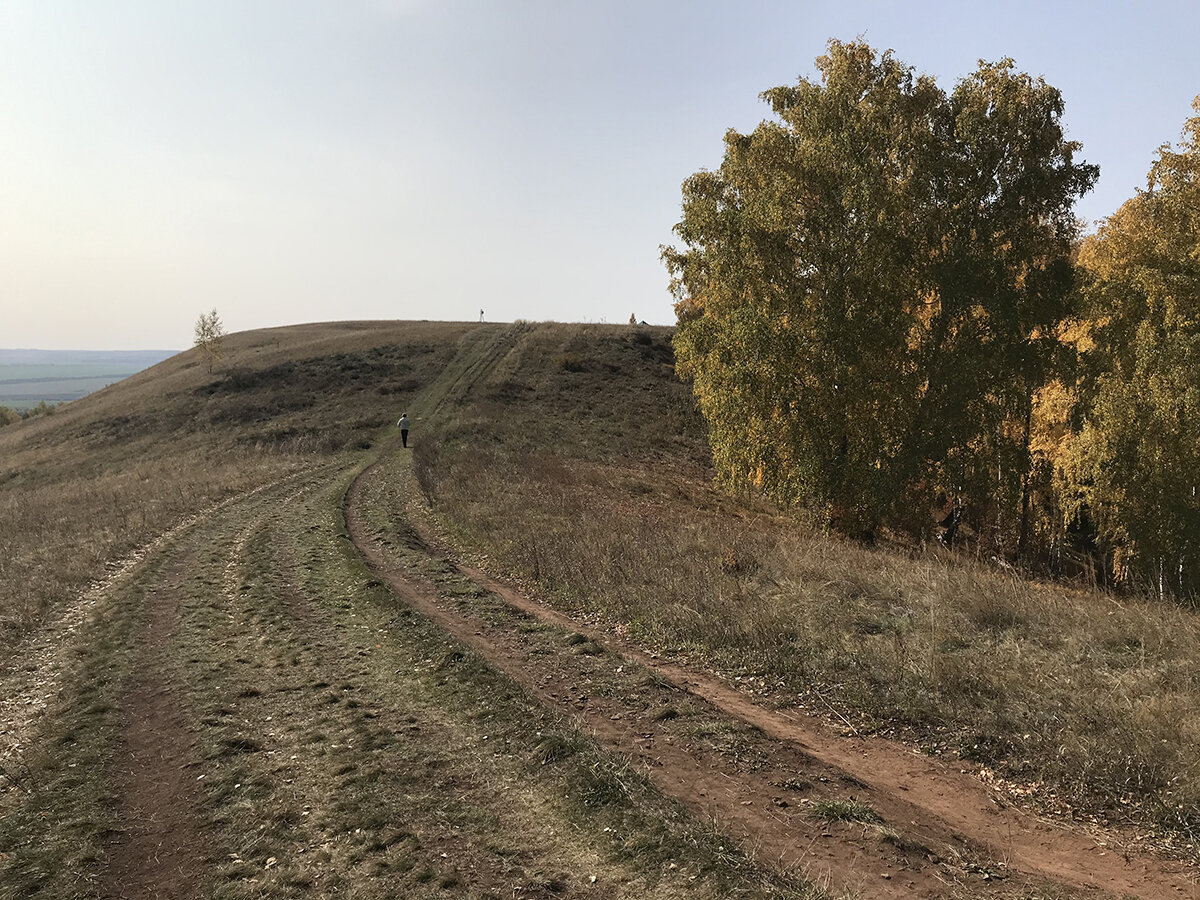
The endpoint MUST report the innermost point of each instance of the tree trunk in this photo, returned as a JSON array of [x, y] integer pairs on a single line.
[[1023, 534]]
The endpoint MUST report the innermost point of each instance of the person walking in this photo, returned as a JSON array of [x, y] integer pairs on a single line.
[[403, 426]]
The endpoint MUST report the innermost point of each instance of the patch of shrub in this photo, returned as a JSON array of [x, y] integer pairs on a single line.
[[570, 362]]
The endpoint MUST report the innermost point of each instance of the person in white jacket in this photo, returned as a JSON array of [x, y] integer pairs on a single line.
[[403, 426]]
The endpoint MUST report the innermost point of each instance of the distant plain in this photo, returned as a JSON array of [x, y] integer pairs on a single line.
[[30, 377]]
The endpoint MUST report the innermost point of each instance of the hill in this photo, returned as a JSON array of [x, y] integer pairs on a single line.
[[537, 656]]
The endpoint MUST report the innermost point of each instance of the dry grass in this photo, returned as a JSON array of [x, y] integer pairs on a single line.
[[575, 461], [319, 770], [843, 811], [104, 475], [1062, 694], [58, 536]]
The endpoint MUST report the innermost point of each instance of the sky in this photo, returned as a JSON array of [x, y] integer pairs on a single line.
[[287, 161]]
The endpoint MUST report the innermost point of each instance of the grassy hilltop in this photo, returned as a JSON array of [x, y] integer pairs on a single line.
[[568, 460], [104, 475]]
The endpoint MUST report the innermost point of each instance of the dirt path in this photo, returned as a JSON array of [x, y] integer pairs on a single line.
[[36, 672], [268, 717], [478, 354], [906, 785], [158, 849], [948, 829], [249, 714]]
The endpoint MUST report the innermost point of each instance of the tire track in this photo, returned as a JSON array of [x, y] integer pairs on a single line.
[[160, 847], [740, 801], [942, 805], [906, 785], [39, 680], [337, 774], [475, 363]]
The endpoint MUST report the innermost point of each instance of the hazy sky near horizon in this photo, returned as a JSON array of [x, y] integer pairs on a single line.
[[292, 161]]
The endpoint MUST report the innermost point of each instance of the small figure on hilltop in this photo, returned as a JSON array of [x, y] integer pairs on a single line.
[[481, 315], [403, 426]]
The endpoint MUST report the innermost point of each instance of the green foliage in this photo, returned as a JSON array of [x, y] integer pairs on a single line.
[[1134, 463], [869, 285], [42, 409]]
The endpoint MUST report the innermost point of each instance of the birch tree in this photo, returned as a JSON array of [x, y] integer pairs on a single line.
[[869, 284]]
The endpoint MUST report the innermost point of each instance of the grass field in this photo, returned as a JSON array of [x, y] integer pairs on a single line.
[[196, 515], [1085, 703]]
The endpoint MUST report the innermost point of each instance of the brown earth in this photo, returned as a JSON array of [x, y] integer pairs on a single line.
[[157, 850], [954, 831]]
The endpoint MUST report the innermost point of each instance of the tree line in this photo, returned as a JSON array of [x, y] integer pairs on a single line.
[[892, 319], [9, 416]]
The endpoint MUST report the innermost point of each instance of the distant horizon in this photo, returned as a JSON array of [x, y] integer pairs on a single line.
[[32, 376], [167, 350], [15, 351], [91, 350]]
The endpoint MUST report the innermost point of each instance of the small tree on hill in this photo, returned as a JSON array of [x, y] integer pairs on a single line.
[[210, 337]]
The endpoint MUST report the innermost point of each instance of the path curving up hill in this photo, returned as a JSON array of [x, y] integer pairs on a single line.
[[301, 691], [954, 826]]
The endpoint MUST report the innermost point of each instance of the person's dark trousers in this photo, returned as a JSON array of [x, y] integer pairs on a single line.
[[404, 436]]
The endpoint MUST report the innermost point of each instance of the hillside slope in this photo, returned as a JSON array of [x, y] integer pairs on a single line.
[[1079, 701], [535, 656]]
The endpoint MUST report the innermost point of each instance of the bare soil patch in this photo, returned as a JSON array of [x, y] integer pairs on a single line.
[[158, 846]]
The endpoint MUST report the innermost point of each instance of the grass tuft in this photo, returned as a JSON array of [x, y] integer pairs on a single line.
[[844, 811], [555, 747]]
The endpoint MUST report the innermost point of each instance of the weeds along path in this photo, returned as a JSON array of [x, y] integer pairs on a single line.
[[250, 713], [865, 816]]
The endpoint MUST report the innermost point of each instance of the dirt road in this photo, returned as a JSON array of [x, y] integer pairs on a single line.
[[761, 772], [249, 712], [300, 693]]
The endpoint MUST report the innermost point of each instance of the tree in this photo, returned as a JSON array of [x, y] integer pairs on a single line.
[[869, 285], [1134, 466], [210, 338]]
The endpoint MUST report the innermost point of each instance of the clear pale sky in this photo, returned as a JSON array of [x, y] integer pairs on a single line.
[[292, 161]]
